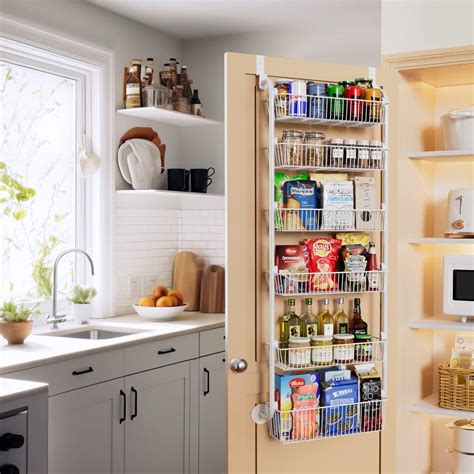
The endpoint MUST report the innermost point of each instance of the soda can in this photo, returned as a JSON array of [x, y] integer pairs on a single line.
[[297, 103]]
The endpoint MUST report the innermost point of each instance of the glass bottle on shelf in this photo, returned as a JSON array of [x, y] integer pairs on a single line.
[[294, 322], [340, 318], [372, 278], [309, 323], [325, 320], [357, 324], [196, 106], [133, 86], [148, 77]]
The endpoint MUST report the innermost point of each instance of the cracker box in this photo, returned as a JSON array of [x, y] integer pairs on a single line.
[[296, 393], [342, 413], [338, 205], [365, 201], [301, 195]]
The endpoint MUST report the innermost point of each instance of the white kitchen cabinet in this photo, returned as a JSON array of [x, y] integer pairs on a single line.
[[86, 432], [212, 437], [158, 419]]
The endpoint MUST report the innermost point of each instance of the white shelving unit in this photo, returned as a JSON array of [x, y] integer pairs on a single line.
[[440, 240], [442, 324], [361, 417], [442, 156], [430, 405], [170, 117]]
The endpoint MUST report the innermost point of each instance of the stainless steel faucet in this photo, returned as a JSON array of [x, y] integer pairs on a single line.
[[54, 318]]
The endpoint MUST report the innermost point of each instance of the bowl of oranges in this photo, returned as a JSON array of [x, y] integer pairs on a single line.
[[163, 303]]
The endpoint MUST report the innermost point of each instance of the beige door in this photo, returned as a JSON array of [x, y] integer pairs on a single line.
[[250, 449]]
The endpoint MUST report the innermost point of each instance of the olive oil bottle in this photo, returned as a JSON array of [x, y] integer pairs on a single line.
[[340, 318], [325, 320], [309, 323]]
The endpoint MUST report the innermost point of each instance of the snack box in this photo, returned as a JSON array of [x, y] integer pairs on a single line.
[[301, 195], [291, 259], [338, 205], [365, 199], [319, 177], [342, 397], [297, 391], [370, 389]]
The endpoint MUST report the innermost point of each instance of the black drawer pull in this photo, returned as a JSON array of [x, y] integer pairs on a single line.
[[208, 382], [81, 372], [124, 401], [134, 415], [168, 351]]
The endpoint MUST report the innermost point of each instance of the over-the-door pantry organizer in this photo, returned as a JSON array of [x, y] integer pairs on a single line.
[[285, 225]]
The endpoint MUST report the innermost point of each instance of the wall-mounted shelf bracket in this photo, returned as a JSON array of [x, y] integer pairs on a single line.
[[262, 77]]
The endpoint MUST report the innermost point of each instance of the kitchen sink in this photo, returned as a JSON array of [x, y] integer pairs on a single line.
[[94, 334]]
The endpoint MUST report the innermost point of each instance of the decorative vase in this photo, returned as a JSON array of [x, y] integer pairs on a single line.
[[15, 332], [81, 312]]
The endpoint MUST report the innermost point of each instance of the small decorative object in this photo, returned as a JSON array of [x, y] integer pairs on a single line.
[[16, 323], [81, 303]]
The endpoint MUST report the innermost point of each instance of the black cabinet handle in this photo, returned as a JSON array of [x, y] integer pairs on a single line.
[[11, 441], [134, 414], [9, 469], [208, 382], [124, 400], [168, 351], [81, 372]]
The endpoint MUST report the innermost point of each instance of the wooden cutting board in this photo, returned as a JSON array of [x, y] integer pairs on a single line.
[[187, 273], [213, 290]]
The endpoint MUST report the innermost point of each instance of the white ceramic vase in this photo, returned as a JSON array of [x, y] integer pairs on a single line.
[[81, 312]]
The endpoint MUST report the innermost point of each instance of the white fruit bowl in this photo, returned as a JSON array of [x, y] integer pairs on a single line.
[[160, 313]]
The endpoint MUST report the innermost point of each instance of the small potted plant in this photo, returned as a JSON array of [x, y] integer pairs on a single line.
[[81, 302], [16, 323]]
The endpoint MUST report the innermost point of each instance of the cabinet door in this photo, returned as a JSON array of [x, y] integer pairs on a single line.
[[212, 415], [157, 428], [85, 433]]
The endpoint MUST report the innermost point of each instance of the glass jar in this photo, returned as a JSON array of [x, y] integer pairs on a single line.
[[335, 93], [355, 104], [293, 139], [376, 154], [336, 151], [314, 151], [363, 348], [155, 95], [321, 350], [374, 107], [316, 100], [363, 153], [343, 348], [350, 152], [299, 352]]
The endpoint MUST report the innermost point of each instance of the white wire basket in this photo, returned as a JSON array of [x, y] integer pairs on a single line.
[[329, 157], [310, 424], [324, 283], [324, 110], [325, 220], [317, 357]]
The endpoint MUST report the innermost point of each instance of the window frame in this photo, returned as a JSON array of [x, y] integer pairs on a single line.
[[91, 69]]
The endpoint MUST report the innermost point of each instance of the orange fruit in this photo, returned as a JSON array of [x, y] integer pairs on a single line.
[[173, 299], [164, 301], [147, 301], [160, 291], [177, 294]]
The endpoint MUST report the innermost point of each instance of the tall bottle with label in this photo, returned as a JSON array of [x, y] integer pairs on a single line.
[[148, 76], [373, 278], [340, 318], [357, 324], [294, 323], [325, 320], [309, 323], [196, 106], [133, 86]]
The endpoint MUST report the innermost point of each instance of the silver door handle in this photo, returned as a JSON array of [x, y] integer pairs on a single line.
[[238, 365]]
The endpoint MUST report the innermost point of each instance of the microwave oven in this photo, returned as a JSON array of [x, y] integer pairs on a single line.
[[458, 294]]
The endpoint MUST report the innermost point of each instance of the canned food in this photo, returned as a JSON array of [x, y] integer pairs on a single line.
[[297, 101]]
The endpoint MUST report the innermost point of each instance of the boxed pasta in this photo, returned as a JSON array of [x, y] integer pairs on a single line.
[[365, 200], [338, 205]]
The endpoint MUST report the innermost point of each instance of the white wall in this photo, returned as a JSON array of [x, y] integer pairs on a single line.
[[415, 25]]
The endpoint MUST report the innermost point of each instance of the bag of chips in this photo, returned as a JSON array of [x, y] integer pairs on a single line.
[[323, 255]]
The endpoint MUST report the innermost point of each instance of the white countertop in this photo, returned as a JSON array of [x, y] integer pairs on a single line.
[[11, 389], [42, 348]]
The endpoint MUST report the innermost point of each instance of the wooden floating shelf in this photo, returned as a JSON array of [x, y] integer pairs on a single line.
[[170, 117], [443, 156], [440, 240], [443, 324], [430, 405]]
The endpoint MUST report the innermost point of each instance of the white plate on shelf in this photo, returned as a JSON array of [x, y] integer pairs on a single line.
[[159, 313]]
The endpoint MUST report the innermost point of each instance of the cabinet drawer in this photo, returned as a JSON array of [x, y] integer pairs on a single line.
[[159, 353], [76, 373], [211, 341]]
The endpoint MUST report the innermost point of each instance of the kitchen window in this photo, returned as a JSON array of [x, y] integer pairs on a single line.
[[51, 106]]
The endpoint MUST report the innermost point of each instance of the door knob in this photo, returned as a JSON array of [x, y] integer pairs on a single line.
[[238, 365]]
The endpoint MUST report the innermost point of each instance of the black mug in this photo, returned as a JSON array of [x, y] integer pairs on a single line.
[[201, 179], [178, 179]]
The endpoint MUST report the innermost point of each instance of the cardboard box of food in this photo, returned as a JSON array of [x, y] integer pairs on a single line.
[[365, 199]]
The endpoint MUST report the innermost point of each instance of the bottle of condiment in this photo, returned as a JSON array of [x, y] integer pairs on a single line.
[[133, 86], [173, 71], [148, 77], [309, 323], [341, 320], [196, 106], [284, 328], [165, 75], [294, 322], [325, 320], [373, 278], [357, 324]]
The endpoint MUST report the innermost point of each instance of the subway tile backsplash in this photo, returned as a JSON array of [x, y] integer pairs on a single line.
[[146, 241]]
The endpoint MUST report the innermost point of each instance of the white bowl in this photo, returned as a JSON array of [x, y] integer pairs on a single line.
[[160, 313]]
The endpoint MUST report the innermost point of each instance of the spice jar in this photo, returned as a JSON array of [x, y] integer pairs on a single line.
[[343, 348], [335, 105], [363, 82], [376, 154], [316, 100], [336, 151], [351, 153], [300, 352], [293, 139], [314, 151], [374, 107], [354, 105], [363, 348], [321, 350], [363, 153]]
